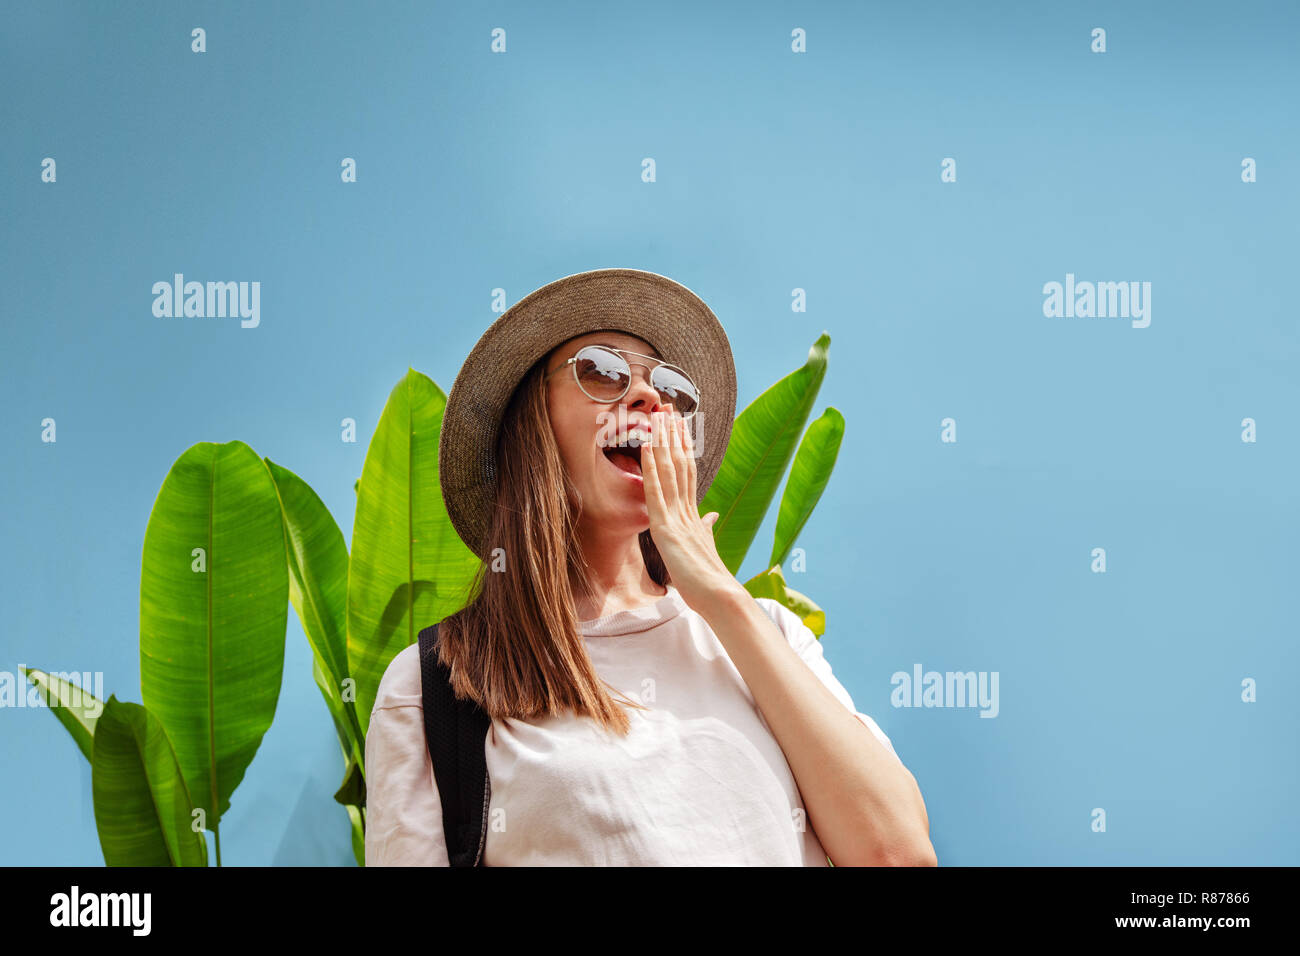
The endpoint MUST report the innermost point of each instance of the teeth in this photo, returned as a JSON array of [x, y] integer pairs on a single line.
[[632, 440]]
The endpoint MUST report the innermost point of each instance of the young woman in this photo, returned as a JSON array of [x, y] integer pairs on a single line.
[[645, 708]]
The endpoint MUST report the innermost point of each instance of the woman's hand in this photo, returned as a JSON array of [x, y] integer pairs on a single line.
[[684, 539]]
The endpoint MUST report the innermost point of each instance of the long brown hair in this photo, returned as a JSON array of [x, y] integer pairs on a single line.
[[515, 648]]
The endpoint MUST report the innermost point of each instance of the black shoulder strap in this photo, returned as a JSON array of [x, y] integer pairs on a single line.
[[456, 732]]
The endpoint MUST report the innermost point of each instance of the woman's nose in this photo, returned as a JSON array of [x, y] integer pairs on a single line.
[[641, 394]]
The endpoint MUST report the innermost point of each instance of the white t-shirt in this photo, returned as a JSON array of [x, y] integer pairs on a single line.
[[699, 781]]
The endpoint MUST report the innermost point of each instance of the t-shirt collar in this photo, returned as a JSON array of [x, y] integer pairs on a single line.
[[637, 619]]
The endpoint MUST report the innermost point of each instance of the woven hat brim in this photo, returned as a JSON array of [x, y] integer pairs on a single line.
[[666, 314]]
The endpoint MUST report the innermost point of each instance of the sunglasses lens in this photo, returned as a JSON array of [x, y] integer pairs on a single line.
[[673, 386], [603, 375]]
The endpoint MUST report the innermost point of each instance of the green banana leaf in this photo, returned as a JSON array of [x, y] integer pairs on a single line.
[[334, 702], [143, 810], [771, 584], [75, 708], [409, 569], [349, 786], [762, 440], [812, 467], [358, 835], [212, 636], [318, 590], [352, 793]]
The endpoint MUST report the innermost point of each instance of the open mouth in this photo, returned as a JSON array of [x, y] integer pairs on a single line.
[[626, 456]]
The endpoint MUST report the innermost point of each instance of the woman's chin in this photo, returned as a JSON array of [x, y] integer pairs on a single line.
[[632, 511], [629, 519], [636, 513]]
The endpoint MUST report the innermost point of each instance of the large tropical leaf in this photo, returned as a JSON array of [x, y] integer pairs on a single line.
[[214, 594], [409, 568], [812, 467], [143, 810], [75, 708], [356, 812], [352, 792], [334, 701], [318, 590], [358, 834], [771, 584], [762, 440]]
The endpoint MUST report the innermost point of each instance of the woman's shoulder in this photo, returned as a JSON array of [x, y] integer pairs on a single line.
[[401, 686]]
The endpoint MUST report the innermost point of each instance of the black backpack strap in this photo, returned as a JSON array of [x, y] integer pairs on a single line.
[[455, 732]]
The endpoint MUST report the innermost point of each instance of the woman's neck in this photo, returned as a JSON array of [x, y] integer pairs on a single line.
[[617, 577]]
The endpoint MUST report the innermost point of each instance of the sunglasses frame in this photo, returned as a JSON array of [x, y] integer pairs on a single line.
[[622, 353]]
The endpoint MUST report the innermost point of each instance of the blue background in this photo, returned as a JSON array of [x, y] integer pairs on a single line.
[[775, 171]]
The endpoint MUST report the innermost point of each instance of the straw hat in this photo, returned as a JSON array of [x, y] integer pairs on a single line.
[[666, 314]]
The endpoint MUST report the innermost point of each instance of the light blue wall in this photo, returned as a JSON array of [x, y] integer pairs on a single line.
[[775, 171]]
